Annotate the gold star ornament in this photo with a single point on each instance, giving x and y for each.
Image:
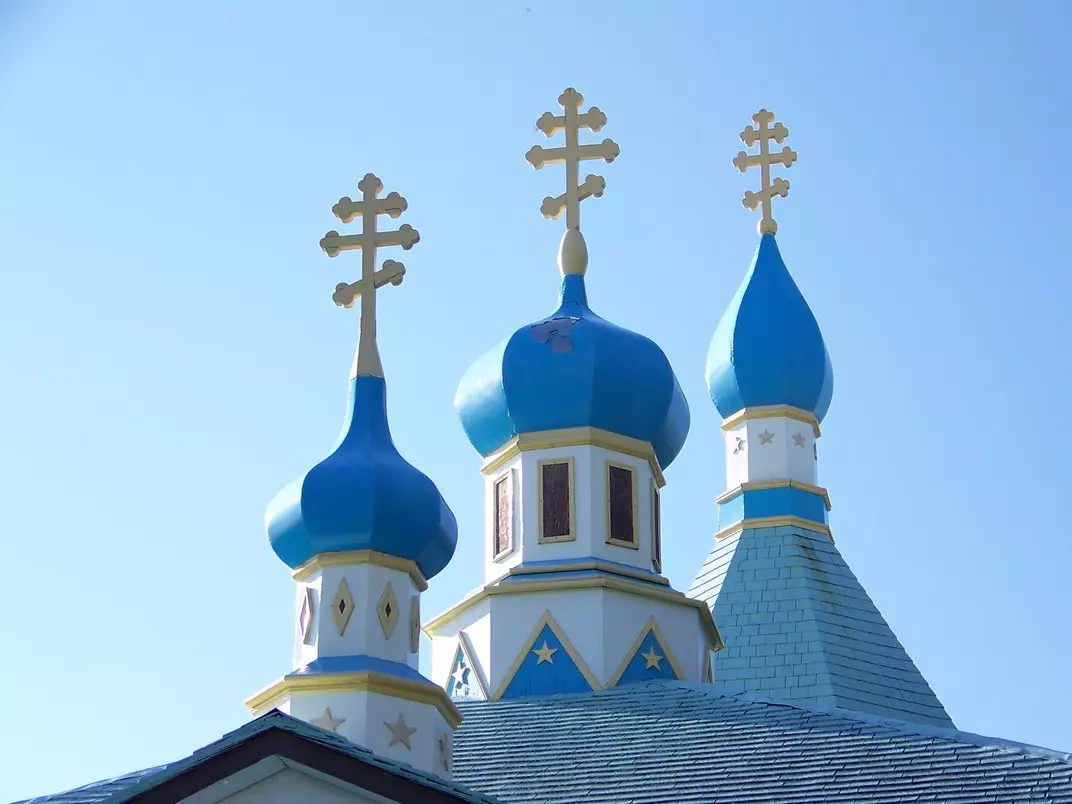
(652, 659)
(544, 654)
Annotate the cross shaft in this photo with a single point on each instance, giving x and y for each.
(369, 208)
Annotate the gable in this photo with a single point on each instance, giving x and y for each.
(285, 784)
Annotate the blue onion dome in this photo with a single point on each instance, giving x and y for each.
(767, 349)
(574, 369)
(364, 496)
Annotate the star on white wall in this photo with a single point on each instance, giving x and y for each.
(740, 445)
(765, 437)
(326, 721)
(544, 654)
(400, 732)
(798, 440)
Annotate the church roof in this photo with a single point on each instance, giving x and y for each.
(798, 626)
(679, 742)
(427, 787)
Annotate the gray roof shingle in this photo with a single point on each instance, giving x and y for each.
(799, 627)
(682, 743)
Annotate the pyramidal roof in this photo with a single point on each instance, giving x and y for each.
(799, 627)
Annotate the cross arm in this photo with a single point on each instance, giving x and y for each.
(591, 186)
(743, 161)
(346, 294)
(779, 187)
(539, 156)
(593, 119)
(391, 204)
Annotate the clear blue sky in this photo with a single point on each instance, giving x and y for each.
(170, 355)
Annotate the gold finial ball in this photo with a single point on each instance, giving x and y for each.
(767, 226)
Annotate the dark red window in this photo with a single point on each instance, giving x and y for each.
(555, 482)
(503, 516)
(620, 482)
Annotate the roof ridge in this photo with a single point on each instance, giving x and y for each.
(739, 693)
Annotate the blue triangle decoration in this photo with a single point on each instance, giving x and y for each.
(649, 661)
(462, 681)
(546, 669)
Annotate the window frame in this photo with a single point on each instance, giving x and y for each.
(506, 477)
(609, 535)
(571, 491)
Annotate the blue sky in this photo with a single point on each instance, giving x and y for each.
(171, 356)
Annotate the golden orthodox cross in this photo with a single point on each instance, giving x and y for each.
(369, 208)
(763, 135)
(572, 121)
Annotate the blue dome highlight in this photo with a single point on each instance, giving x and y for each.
(767, 349)
(574, 369)
(364, 496)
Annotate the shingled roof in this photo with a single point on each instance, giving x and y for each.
(143, 784)
(683, 743)
(799, 627)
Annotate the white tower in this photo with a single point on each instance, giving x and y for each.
(576, 418)
(363, 530)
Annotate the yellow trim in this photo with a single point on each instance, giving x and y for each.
(635, 544)
(348, 557)
(645, 590)
(771, 412)
(586, 565)
(415, 624)
(774, 522)
(759, 485)
(546, 620)
(466, 646)
(571, 477)
(365, 681)
(508, 478)
(656, 528)
(574, 437)
(630, 654)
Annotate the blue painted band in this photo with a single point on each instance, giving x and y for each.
(784, 501)
(557, 562)
(582, 573)
(328, 665)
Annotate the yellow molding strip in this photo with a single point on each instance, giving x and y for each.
(759, 485)
(348, 557)
(365, 681)
(771, 412)
(574, 437)
(559, 584)
(774, 522)
(587, 565)
(546, 620)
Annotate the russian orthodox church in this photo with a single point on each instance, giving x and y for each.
(576, 672)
